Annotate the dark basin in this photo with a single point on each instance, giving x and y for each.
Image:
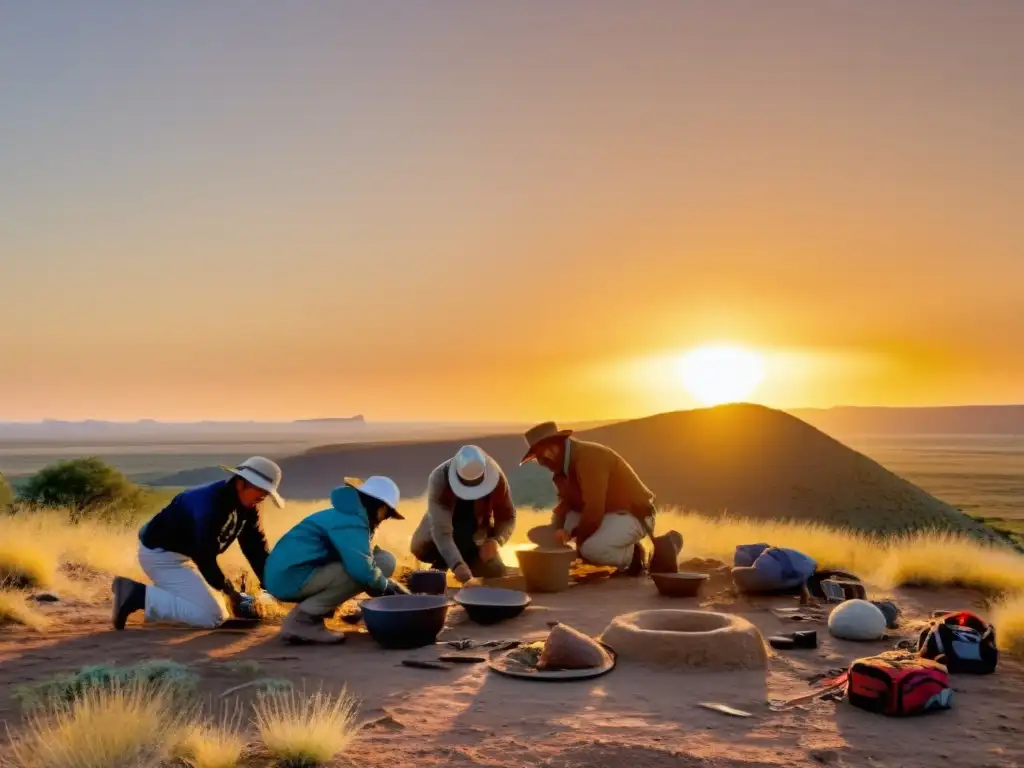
(405, 621)
(428, 582)
(489, 605)
(679, 584)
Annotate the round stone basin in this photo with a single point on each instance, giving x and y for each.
(687, 640)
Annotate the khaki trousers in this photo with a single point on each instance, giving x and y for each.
(611, 544)
(330, 585)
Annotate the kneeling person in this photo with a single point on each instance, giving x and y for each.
(602, 503)
(327, 559)
(470, 516)
(179, 546)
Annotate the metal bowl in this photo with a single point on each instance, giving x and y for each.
(679, 584)
(489, 605)
(405, 621)
(429, 582)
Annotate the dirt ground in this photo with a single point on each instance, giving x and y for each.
(468, 716)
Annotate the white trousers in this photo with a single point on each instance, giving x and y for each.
(612, 543)
(179, 593)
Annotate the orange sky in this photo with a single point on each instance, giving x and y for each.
(506, 211)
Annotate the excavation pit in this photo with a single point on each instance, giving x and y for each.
(698, 640)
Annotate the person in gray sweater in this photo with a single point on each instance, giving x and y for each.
(470, 516)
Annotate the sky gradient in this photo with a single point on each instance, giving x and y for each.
(505, 210)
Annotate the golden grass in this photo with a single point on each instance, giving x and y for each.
(301, 731)
(24, 563)
(14, 609)
(1008, 618)
(214, 744)
(118, 727)
(933, 559)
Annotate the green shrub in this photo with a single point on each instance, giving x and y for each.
(84, 486)
(177, 680)
(6, 495)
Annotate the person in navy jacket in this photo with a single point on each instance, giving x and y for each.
(179, 546)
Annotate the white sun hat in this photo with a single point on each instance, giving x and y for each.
(472, 473)
(381, 488)
(261, 473)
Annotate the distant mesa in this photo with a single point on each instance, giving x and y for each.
(357, 419)
(744, 460)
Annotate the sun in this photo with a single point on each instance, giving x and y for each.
(720, 373)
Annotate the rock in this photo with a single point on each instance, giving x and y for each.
(46, 597)
(824, 756)
(566, 648)
(857, 620)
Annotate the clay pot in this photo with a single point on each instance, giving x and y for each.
(546, 570)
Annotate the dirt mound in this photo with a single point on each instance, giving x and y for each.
(738, 459)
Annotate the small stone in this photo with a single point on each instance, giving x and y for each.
(46, 597)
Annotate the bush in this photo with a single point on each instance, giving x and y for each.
(6, 495)
(176, 682)
(84, 486)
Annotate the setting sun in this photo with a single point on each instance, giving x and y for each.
(720, 374)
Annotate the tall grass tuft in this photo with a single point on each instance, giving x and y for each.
(14, 609)
(214, 743)
(24, 564)
(301, 731)
(133, 726)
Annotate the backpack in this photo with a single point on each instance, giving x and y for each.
(963, 642)
(898, 687)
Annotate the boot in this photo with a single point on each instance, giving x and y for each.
(301, 627)
(129, 597)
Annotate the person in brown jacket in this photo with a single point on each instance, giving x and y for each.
(602, 503)
(470, 516)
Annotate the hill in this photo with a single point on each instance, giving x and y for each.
(951, 420)
(739, 459)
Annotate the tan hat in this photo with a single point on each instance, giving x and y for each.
(536, 436)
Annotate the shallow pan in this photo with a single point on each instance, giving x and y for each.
(489, 605)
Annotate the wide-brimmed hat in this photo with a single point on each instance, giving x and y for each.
(538, 435)
(381, 488)
(261, 473)
(473, 474)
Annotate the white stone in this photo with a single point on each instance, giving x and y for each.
(857, 620)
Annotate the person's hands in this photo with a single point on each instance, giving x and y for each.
(489, 550)
(394, 588)
(462, 573)
(562, 537)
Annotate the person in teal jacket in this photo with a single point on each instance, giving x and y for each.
(327, 559)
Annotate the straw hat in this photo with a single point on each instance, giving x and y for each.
(261, 473)
(537, 435)
(472, 473)
(383, 489)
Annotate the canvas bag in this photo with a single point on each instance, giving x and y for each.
(898, 687)
(963, 642)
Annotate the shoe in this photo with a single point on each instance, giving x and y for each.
(301, 627)
(129, 597)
